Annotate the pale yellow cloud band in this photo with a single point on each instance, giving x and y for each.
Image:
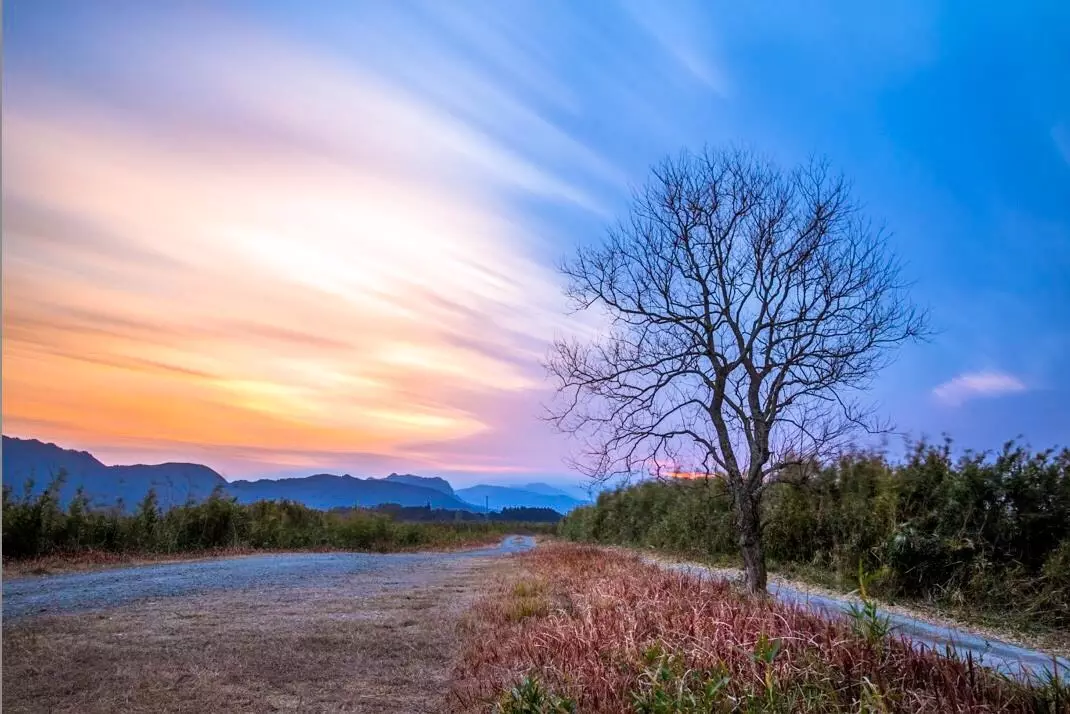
(335, 275)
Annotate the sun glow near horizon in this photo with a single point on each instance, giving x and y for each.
(274, 237)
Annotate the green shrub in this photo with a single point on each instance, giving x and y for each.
(530, 697)
(985, 531)
(36, 526)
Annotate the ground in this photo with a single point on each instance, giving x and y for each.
(350, 632)
(357, 633)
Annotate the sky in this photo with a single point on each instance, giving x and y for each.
(284, 238)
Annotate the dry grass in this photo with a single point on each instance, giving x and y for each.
(378, 643)
(816, 580)
(612, 632)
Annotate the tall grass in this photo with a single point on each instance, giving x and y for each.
(985, 533)
(615, 634)
(38, 526)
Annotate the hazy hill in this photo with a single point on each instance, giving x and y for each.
(543, 488)
(30, 459)
(175, 483)
(500, 497)
(330, 491)
(439, 484)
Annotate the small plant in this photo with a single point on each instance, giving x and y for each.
(765, 651)
(866, 620)
(530, 697)
(527, 588)
(525, 607)
(667, 685)
(1052, 692)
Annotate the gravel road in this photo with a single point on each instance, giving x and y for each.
(1002, 656)
(57, 594)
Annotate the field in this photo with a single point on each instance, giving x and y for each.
(601, 631)
(299, 632)
(563, 627)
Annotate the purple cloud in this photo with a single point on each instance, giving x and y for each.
(977, 384)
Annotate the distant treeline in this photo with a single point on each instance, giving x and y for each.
(984, 533)
(37, 526)
(426, 514)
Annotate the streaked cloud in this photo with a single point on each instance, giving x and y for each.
(276, 239)
(321, 260)
(976, 385)
(680, 30)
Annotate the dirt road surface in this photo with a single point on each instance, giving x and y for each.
(290, 632)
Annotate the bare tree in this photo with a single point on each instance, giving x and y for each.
(747, 310)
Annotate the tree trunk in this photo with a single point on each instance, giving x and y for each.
(750, 542)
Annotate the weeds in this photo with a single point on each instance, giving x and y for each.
(638, 638)
(866, 621)
(528, 588)
(666, 685)
(529, 697)
(527, 607)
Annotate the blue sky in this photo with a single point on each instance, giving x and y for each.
(356, 163)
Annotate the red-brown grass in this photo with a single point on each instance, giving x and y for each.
(606, 615)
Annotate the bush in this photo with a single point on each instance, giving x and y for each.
(37, 526)
(530, 697)
(987, 531)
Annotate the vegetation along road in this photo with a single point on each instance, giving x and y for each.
(1003, 656)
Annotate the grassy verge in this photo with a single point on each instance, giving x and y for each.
(1014, 626)
(588, 629)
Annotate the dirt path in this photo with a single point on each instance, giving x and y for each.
(370, 636)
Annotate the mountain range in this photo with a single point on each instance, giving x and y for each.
(29, 466)
(498, 497)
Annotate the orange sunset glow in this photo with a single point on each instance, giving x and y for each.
(282, 238)
(308, 283)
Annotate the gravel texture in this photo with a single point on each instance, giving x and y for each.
(57, 594)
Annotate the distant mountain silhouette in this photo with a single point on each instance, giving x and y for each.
(439, 484)
(579, 492)
(175, 483)
(500, 497)
(544, 488)
(330, 491)
(30, 459)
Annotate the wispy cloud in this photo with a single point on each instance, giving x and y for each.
(336, 262)
(977, 384)
(678, 30)
(278, 241)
